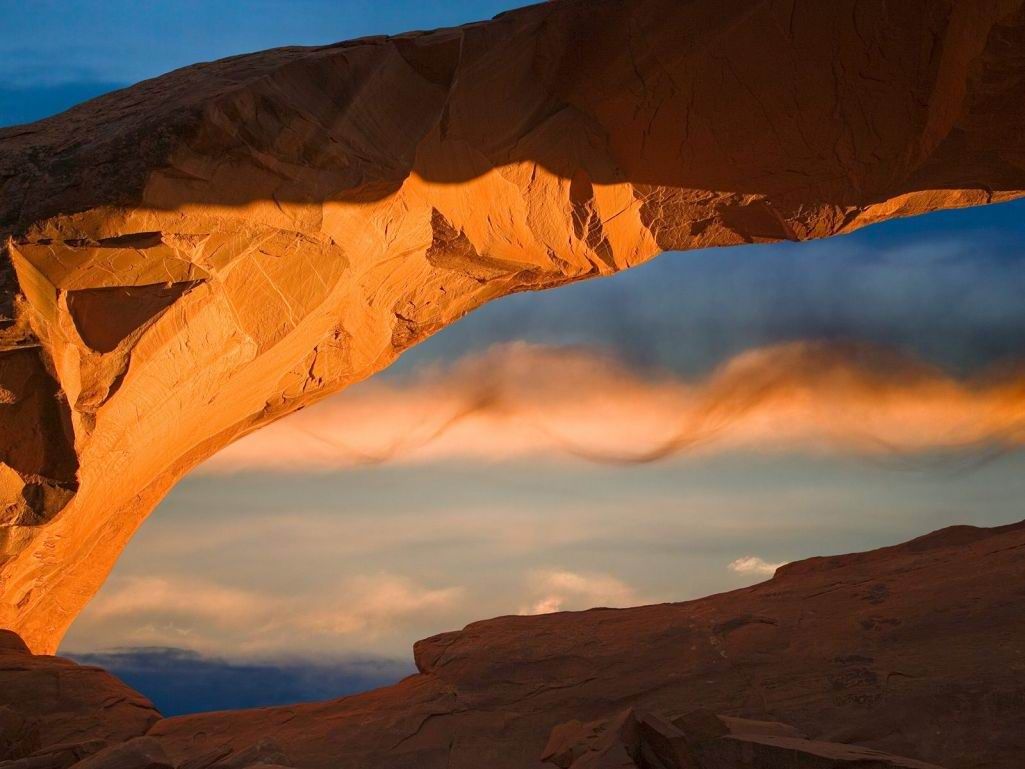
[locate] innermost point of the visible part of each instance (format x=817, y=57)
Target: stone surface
x=53, y=711
x=190, y=258
x=914, y=650
x=137, y=753
x=642, y=740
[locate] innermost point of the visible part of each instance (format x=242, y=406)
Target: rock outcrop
x=703, y=740
x=195, y=256
x=915, y=650
x=53, y=712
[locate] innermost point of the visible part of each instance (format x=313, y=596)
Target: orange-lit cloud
x=753, y=565
x=209, y=617
x=521, y=400
x=561, y=590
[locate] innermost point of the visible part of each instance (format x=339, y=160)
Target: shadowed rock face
x=703, y=740
x=188, y=259
x=60, y=712
x=914, y=650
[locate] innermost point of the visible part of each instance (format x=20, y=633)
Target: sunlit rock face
x=193, y=257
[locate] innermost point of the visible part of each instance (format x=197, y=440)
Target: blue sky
x=60, y=52
x=368, y=560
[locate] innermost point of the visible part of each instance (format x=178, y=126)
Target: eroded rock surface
x=702, y=740
x=54, y=712
x=849, y=661
x=916, y=650
x=195, y=256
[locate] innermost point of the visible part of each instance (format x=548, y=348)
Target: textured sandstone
x=702, y=740
x=53, y=711
x=195, y=256
x=137, y=753
x=914, y=650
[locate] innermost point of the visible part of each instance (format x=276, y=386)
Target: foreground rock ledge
x=916, y=650
x=195, y=256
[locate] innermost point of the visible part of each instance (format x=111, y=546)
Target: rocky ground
x=916, y=650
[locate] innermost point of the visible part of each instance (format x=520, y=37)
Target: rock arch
x=198, y=255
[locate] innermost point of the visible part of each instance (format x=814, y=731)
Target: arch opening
x=313, y=553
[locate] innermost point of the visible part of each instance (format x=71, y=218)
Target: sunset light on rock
x=302, y=366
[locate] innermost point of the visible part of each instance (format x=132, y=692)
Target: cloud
x=751, y=564
x=371, y=606
x=192, y=598
x=520, y=400
x=555, y=590
x=212, y=618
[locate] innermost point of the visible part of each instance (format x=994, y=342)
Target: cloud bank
x=208, y=617
x=520, y=400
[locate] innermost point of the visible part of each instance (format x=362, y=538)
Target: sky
x=60, y=52
x=674, y=431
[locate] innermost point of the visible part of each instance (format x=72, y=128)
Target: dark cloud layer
x=179, y=681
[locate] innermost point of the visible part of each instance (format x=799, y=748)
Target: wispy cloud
x=558, y=590
x=211, y=618
x=753, y=565
x=371, y=606
x=522, y=400
x=358, y=614
x=192, y=598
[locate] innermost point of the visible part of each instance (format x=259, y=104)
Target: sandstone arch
x=200, y=254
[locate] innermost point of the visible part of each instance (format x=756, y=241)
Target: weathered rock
x=137, y=753
x=60, y=756
x=642, y=740
x=19, y=736
x=53, y=711
x=755, y=752
x=914, y=650
x=193, y=257
x=630, y=740
x=264, y=752
x=748, y=744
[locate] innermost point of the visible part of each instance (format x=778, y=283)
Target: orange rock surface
x=195, y=256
